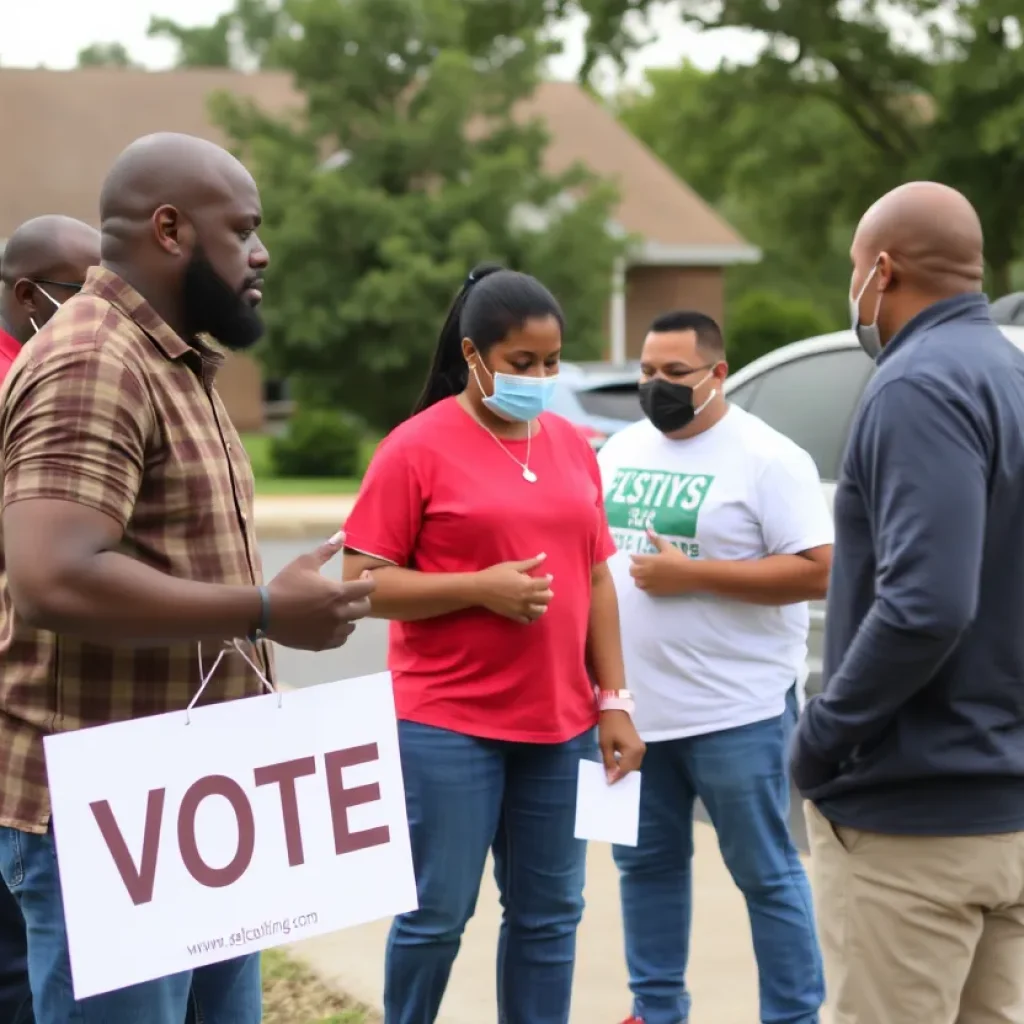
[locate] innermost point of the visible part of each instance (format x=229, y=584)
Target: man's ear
x=25, y=295
x=173, y=232
x=720, y=369
x=886, y=271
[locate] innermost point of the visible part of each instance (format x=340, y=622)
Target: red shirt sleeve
x=386, y=519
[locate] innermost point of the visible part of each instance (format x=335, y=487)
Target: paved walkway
x=301, y=517
x=723, y=977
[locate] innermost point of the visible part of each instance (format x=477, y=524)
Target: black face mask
x=668, y=406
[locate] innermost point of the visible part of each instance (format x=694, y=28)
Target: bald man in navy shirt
x=912, y=758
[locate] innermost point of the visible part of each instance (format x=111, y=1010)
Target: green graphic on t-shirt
x=668, y=503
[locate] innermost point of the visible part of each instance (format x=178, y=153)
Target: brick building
x=64, y=129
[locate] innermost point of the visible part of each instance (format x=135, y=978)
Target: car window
x=615, y=401
x=564, y=401
x=744, y=394
x=812, y=401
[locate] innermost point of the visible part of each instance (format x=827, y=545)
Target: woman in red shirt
x=482, y=519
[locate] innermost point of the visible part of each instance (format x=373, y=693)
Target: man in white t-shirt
x=724, y=535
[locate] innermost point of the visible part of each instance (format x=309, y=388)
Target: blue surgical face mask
x=516, y=397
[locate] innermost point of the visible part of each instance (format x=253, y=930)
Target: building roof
x=654, y=203
x=63, y=130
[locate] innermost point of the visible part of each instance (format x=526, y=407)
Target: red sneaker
x=633, y=1020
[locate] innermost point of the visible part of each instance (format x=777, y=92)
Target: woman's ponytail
x=448, y=371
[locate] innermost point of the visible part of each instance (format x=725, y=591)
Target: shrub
x=762, y=321
x=319, y=443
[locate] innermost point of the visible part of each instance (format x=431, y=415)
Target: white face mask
x=867, y=334
x=56, y=304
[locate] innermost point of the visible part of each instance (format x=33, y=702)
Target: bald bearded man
x=912, y=759
x=44, y=264
x=128, y=537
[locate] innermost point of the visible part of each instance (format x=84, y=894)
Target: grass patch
x=257, y=447
x=267, y=483
x=292, y=994
x=288, y=486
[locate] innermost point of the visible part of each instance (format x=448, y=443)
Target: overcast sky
x=51, y=32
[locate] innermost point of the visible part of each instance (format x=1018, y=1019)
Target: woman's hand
x=622, y=750
x=507, y=589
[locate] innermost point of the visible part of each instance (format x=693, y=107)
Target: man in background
x=724, y=535
x=912, y=759
x=44, y=264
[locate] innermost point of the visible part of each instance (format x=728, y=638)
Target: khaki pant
x=919, y=930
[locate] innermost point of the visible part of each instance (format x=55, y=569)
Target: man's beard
x=213, y=307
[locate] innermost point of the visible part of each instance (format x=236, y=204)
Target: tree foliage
x=780, y=189
x=903, y=90
x=762, y=321
x=243, y=38
x=406, y=168
x=105, y=55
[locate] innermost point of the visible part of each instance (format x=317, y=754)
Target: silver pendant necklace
x=528, y=474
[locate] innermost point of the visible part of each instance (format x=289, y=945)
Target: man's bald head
x=167, y=169
x=918, y=244
x=44, y=264
x=179, y=216
x=44, y=245
x=931, y=231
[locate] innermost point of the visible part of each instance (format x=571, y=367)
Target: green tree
x=242, y=38
x=762, y=321
x=249, y=35
x=428, y=173
x=945, y=104
x=202, y=46
x=105, y=55
x=780, y=188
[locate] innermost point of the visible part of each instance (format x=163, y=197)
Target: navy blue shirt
x=920, y=726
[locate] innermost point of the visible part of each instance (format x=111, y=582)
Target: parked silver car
x=809, y=391
x=597, y=399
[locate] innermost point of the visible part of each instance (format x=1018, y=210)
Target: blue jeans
x=15, y=994
x=740, y=776
x=224, y=993
x=466, y=796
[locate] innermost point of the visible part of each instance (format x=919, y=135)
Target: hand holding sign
x=310, y=612
x=666, y=573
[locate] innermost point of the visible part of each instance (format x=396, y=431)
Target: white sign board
x=256, y=823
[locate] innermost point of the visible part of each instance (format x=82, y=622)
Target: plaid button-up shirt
x=109, y=408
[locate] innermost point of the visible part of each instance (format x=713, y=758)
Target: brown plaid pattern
x=109, y=408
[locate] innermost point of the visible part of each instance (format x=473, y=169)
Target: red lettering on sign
x=285, y=774
x=345, y=840
x=216, y=785
x=138, y=881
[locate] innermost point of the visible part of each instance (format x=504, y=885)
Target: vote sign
x=183, y=842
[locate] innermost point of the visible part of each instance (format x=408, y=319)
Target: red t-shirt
x=9, y=350
x=441, y=496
